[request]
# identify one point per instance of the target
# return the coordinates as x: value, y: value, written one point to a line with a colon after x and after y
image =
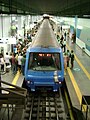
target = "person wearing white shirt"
x: 7, y: 59
x: 19, y: 61
x: 2, y: 62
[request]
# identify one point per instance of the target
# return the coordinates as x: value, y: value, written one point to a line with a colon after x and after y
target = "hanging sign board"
x: 7, y: 40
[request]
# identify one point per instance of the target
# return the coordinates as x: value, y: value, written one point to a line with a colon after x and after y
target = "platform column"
x: 75, y: 29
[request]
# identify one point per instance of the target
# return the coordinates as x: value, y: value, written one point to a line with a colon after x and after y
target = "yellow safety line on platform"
x: 16, y: 78
x: 69, y: 107
x: 79, y: 95
x: 83, y: 68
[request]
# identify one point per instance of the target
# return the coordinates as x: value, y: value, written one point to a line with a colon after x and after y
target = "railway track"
x: 45, y: 105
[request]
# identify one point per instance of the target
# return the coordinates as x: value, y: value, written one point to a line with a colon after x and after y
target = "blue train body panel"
x: 46, y: 77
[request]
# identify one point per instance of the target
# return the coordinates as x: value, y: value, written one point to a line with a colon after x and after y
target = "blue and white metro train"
x: 44, y: 60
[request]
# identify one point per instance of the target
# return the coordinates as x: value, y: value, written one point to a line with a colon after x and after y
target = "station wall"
x: 82, y: 32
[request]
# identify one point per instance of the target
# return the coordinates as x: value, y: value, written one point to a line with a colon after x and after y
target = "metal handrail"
x: 17, y: 96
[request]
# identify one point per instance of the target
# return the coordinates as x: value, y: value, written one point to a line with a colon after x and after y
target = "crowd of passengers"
x: 68, y: 55
x: 16, y: 59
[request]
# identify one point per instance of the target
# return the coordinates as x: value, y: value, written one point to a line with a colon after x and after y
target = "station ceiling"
x: 51, y: 7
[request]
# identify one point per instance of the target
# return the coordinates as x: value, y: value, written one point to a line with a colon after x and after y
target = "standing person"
x: 13, y: 59
x: 72, y: 59
x: 2, y: 62
x: 61, y: 28
x: 61, y: 41
x: 16, y: 61
x: 19, y: 61
x: 65, y: 35
x: 64, y: 45
x: 65, y: 61
x: 58, y: 38
x: 7, y: 59
x: 62, y: 38
x: 68, y: 58
x: 61, y: 44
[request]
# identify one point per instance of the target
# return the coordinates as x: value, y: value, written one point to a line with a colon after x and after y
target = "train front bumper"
x: 37, y: 79
x: 47, y: 85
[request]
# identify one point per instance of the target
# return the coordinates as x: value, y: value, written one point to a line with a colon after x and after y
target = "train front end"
x: 44, y: 68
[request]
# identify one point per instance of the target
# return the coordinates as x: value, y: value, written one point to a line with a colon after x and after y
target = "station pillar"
x: 75, y: 29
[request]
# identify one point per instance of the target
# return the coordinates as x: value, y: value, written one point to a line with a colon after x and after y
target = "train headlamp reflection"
x: 29, y: 82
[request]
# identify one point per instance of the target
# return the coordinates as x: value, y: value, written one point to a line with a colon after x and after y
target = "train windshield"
x: 44, y: 61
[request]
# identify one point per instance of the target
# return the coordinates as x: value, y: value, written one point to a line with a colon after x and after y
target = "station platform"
x: 12, y: 96
x: 78, y: 79
x: 13, y: 79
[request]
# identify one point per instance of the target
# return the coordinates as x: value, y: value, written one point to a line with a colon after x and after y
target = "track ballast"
x: 44, y: 105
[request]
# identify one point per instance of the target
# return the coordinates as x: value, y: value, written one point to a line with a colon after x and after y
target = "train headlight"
x: 28, y: 82
x: 60, y: 82
x: 56, y: 77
